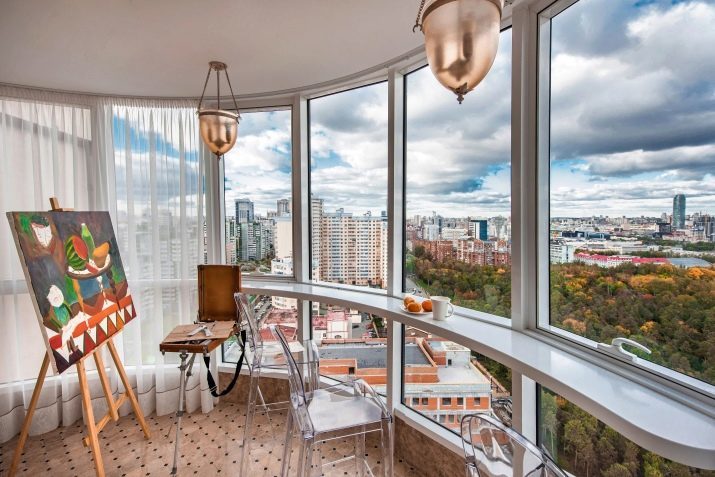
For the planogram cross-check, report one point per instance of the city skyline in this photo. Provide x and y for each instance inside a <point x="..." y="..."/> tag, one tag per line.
<point x="274" y="210"/>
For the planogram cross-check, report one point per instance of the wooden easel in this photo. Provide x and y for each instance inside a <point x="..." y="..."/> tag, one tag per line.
<point x="93" y="428"/>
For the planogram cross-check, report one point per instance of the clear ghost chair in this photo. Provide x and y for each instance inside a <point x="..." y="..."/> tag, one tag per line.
<point x="262" y="355"/>
<point x="350" y="409"/>
<point x="495" y="450"/>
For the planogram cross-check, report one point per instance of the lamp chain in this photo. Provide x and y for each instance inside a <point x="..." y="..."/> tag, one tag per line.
<point x="228" y="80"/>
<point x="419" y="14"/>
<point x="208" y="75"/>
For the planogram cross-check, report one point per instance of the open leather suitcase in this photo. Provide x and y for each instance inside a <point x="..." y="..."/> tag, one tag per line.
<point x="217" y="285"/>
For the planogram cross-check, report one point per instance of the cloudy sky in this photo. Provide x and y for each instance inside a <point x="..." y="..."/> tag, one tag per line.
<point x="259" y="165"/>
<point x="632" y="124"/>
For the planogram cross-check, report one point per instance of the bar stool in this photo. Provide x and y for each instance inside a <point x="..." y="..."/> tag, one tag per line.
<point x="268" y="355"/>
<point x="351" y="409"/>
<point x="491" y="448"/>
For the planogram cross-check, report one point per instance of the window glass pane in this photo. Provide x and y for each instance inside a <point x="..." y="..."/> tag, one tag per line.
<point x="348" y="184"/>
<point x="351" y="344"/>
<point x="632" y="163"/>
<point x="269" y="310"/>
<point x="458" y="188"/>
<point x="583" y="445"/>
<point x="257" y="180"/>
<point x="445" y="381"/>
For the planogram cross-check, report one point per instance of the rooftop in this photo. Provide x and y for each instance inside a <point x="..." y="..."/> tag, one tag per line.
<point x="372" y="355"/>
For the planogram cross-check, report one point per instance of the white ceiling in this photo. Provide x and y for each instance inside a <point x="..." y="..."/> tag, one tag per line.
<point x="162" y="47"/>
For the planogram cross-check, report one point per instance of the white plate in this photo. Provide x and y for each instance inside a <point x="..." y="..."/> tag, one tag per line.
<point x="402" y="306"/>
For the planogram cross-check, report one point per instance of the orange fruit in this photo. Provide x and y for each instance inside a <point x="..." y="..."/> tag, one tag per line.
<point x="414" y="307"/>
<point x="427" y="305"/>
<point x="408" y="299"/>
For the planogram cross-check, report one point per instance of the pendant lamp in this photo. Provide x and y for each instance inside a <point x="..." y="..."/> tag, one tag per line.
<point x="218" y="127"/>
<point x="461" y="40"/>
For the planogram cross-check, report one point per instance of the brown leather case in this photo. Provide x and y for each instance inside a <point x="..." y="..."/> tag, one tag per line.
<point x="217" y="284"/>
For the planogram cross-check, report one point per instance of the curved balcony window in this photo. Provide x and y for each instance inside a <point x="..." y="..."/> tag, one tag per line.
<point x="628" y="150"/>
<point x="458" y="189"/>
<point x="348" y="186"/>
<point x="257" y="194"/>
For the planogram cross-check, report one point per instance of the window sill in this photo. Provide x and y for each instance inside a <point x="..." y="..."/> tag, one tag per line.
<point x="700" y="391"/>
<point x="652" y="419"/>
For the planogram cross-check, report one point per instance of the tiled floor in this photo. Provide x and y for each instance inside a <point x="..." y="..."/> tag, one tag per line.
<point x="210" y="446"/>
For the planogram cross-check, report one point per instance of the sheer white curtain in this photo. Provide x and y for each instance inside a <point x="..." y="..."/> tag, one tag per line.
<point x="142" y="161"/>
<point x="45" y="150"/>
<point x="158" y="188"/>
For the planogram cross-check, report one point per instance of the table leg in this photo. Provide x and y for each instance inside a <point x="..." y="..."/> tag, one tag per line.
<point x="180" y="410"/>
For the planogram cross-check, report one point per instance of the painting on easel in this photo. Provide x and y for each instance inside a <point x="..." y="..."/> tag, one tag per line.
<point x="76" y="278"/>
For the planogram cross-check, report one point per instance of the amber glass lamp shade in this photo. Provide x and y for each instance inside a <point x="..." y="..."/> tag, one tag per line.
<point x="461" y="41"/>
<point x="218" y="129"/>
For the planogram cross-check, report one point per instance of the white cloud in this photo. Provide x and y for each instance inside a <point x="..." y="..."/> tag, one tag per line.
<point x="632" y="116"/>
<point x="259" y="165"/>
<point x="699" y="158"/>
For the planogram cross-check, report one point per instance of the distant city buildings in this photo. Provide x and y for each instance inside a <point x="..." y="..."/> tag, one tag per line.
<point x="611" y="261"/>
<point x="351" y="248"/>
<point x="703" y="226"/>
<point x="679" y="211"/>
<point x="244" y="211"/>
<point x="478" y="229"/>
<point x="609" y="242"/>
<point x="283" y="207"/>
<point x="251" y="238"/>
<point x="470" y="240"/>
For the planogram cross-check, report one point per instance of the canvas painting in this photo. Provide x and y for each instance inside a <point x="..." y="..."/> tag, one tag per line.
<point x="75" y="276"/>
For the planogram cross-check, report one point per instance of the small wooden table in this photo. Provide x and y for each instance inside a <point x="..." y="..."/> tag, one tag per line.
<point x="186" y="340"/>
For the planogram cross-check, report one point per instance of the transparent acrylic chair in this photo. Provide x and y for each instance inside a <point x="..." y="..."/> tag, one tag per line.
<point x="268" y="355"/>
<point x="350" y="409"/>
<point x="493" y="449"/>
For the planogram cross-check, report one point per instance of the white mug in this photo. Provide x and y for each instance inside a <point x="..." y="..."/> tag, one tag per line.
<point x="441" y="308"/>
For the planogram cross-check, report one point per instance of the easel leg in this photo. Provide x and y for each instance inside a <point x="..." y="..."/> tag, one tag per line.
<point x="89" y="414"/>
<point x="28" y="417"/>
<point x="128" y="388"/>
<point x="180" y="410"/>
<point x="105" y="385"/>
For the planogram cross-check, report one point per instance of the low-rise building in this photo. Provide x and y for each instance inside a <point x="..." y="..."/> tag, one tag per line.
<point x="440" y="379"/>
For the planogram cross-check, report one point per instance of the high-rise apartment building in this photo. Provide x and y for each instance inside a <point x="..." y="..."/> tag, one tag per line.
<point x="430" y="232"/>
<point x="350" y="249"/>
<point x="478" y="229"/>
<point x="244" y="211"/>
<point x="283" y="237"/>
<point x="283" y="207"/>
<point x="231" y="240"/>
<point x="679" y="211"/>
<point x="500" y="227"/>
<point x="704" y="227"/>
<point x="371" y="234"/>
<point x="254" y="241"/>
<point x="338" y="248"/>
<point x="316" y="217"/>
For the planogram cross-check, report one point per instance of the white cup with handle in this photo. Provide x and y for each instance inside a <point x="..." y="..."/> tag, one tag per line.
<point x="441" y="308"/>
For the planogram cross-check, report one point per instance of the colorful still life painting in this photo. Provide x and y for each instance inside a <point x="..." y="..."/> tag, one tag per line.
<point x="76" y="278"/>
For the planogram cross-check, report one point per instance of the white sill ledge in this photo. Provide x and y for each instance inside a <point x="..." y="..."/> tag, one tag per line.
<point x="651" y="419"/>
